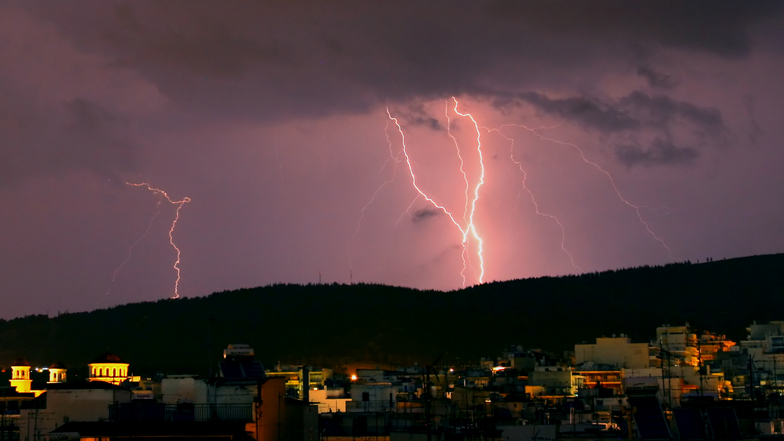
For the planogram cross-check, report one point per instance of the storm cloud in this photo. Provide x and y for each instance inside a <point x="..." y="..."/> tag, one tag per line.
<point x="659" y="152"/>
<point x="272" y="117"/>
<point x="347" y="56"/>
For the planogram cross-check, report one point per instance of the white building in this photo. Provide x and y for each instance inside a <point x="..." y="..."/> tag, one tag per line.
<point x="66" y="402"/>
<point x="679" y="344"/>
<point x="618" y="352"/>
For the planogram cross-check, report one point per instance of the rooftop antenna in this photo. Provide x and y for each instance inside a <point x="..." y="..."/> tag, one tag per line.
<point x="319" y="277"/>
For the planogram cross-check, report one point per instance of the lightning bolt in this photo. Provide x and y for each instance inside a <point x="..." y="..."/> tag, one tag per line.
<point x="467" y="225"/>
<point x="533" y="199"/>
<point x="469" y="230"/>
<point x="392" y="158"/>
<point x="462" y="163"/>
<point x="416" y="185"/>
<point x="464" y="254"/>
<point x="406" y="212"/>
<point x="179" y="205"/>
<point x="636" y="208"/>
<point x="471" y="225"/>
<point x="130" y="252"/>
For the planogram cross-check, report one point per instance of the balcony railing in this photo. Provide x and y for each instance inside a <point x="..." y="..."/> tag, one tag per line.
<point x="181" y="412"/>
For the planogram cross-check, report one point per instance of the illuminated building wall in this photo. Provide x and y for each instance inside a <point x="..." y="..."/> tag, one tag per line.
<point x="109" y="368"/>
<point x="20" y="376"/>
<point x="66" y="402"/>
<point x="618" y="352"/>
<point x="680" y="342"/>
<point x="57" y="373"/>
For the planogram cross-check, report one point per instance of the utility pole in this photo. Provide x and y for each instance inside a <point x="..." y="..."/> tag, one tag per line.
<point x="428" y="399"/>
<point x="666" y="380"/>
<point x="753" y="399"/>
<point x="628" y="414"/>
<point x="661" y="356"/>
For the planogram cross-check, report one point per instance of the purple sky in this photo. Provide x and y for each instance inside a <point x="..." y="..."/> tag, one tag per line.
<point x="646" y="132"/>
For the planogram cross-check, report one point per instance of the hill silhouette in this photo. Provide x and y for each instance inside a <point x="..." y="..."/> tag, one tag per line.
<point x="331" y="325"/>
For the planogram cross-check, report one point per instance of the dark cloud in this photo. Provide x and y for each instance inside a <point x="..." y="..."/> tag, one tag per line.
<point x="660" y="152"/>
<point x="755" y="132"/>
<point x="80" y="135"/>
<point x="720" y="27"/>
<point x="92" y="138"/>
<point x="585" y="111"/>
<point x="278" y="60"/>
<point x="415" y="114"/>
<point x="634" y="111"/>
<point x="282" y="58"/>
<point x="661" y="110"/>
<point x="657" y="79"/>
<point x="424" y="214"/>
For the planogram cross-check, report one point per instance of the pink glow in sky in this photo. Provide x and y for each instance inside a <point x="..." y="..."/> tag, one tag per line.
<point x="614" y="134"/>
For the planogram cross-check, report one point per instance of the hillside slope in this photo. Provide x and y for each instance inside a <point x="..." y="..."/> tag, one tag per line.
<point x="331" y="325"/>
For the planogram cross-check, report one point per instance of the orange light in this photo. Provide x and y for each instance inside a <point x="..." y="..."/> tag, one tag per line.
<point x="354" y="377"/>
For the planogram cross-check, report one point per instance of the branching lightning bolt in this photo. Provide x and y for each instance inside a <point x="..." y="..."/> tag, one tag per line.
<point x="636" y="208"/>
<point x="467" y="225"/>
<point x="462" y="163"/>
<point x="471" y="225"/>
<point x="468" y="213"/>
<point x="464" y="255"/>
<point x="414" y="180"/>
<point x="533" y="199"/>
<point x="179" y="205"/>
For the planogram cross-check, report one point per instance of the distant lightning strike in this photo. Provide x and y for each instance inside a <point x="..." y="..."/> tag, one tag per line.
<point x="392" y="158"/>
<point x="130" y="252"/>
<point x="171" y="230"/>
<point x="407" y="211"/>
<point x="533" y="199"/>
<point x="636" y="208"/>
